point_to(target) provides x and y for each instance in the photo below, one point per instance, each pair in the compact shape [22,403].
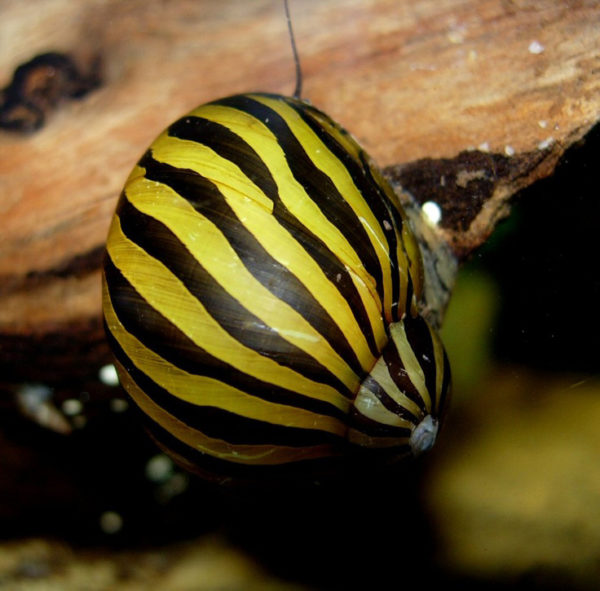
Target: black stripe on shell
[159,335]
[159,242]
[373,194]
[419,338]
[218,423]
[316,183]
[400,375]
[233,148]
[373,385]
[227,472]
[204,196]
[373,428]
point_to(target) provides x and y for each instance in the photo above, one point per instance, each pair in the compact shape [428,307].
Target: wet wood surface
[464,102]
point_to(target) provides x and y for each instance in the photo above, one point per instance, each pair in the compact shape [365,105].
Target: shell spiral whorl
[261,292]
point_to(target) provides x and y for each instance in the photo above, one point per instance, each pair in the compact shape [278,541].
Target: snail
[262,292]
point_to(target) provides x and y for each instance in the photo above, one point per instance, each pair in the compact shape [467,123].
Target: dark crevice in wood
[40,85]
[77,266]
[461,185]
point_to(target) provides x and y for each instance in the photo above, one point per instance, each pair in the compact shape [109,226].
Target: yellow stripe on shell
[410,362]
[342,136]
[409,242]
[371,407]
[381,374]
[160,288]
[415,268]
[243,196]
[238,453]
[206,391]
[329,164]
[403,272]
[299,204]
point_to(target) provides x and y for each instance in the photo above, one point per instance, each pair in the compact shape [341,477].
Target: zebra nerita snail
[261,296]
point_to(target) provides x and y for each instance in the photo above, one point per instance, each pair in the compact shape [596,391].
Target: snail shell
[261,295]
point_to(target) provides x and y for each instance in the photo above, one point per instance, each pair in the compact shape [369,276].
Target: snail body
[261,295]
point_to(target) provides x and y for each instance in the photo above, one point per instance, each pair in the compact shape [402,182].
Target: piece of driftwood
[462,102]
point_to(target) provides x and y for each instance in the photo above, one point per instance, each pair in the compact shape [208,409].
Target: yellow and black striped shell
[261,292]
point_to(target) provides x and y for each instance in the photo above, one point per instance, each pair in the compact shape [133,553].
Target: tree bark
[461,102]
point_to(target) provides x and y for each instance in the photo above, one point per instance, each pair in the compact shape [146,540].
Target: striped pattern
[257,266]
[410,381]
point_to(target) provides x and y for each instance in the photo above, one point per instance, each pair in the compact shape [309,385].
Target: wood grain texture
[411,80]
